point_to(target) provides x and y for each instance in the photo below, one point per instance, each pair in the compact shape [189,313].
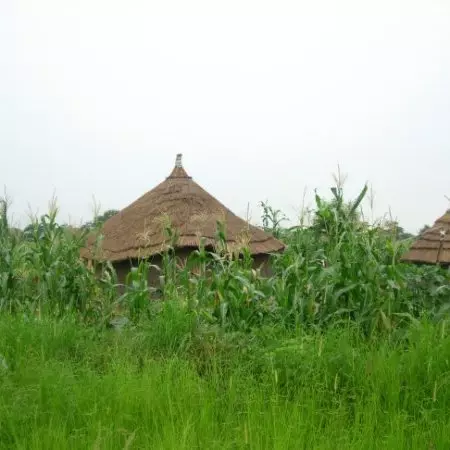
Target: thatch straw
[433,246]
[138,230]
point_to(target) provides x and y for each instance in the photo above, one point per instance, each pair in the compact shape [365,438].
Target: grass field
[71,387]
[345,347]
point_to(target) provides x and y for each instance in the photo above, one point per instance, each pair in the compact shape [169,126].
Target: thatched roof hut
[137,231]
[433,245]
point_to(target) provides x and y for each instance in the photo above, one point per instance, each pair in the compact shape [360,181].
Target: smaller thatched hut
[137,231]
[433,245]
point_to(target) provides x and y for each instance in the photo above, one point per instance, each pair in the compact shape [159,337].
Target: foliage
[272,220]
[423,229]
[341,269]
[42,272]
[218,355]
[338,270]
[12,254]
[397,231]
[66,386]
[99,220]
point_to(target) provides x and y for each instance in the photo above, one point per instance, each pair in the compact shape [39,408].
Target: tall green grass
[67,386]
[343,347]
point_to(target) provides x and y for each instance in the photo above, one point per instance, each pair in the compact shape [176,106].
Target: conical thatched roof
[433,246]
[137,230]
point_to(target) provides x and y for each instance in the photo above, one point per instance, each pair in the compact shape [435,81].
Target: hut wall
[263,262]
[123,267]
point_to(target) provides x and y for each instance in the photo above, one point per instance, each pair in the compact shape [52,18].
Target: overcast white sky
[264,99]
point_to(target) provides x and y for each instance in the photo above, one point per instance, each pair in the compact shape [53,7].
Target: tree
[423,229]
[100,219]
[398,231]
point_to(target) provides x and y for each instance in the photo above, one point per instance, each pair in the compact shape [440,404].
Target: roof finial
[178,171]
[178,161]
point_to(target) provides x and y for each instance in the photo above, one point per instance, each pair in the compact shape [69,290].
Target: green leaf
[359,199]
[344,290]
[386,321]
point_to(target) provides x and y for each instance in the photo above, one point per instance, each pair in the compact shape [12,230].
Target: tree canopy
[100,219]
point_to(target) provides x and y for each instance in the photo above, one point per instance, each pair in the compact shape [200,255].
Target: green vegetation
[160,386]
[343,347]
